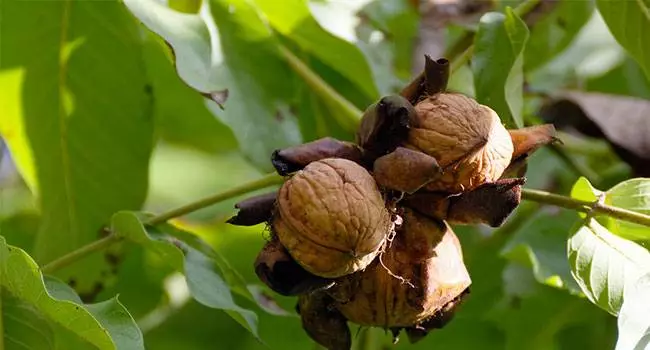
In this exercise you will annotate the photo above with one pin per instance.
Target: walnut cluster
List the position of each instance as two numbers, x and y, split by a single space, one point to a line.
360 231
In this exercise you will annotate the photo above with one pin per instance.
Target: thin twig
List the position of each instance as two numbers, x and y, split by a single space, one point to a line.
266 181
80 253
103 243
585 206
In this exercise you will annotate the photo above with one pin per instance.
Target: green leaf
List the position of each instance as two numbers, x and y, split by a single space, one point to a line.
76 115
233 278
24 327
541 244
111 314
228 47
498 64
535 320
119 323
384 31
605 265
633 322
633 194
553 33
181 114
21 278
205 284
299 26
628 21
584 191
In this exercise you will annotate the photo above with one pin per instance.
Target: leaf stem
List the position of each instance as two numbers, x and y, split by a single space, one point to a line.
351 116
80 253
265 181
585 206
103 243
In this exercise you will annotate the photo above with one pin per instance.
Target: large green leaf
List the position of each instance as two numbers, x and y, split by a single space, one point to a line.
298 25
633 321
46 305
553 33
498 64
205 284
77 117
629 22
633 194
605 265
228 47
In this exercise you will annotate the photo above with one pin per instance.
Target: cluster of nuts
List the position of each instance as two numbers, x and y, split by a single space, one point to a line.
360 231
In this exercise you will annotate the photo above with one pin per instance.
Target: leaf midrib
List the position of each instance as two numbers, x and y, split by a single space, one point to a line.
63 127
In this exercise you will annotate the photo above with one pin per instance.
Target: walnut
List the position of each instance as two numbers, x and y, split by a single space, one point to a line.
467 140
331 217
417 277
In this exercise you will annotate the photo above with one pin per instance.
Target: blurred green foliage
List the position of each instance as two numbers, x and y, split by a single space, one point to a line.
100 113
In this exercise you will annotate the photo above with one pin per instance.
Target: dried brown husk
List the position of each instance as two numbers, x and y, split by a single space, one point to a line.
332 218
420 273
280 272
324 323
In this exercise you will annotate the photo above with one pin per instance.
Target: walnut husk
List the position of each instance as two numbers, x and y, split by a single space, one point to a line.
416 277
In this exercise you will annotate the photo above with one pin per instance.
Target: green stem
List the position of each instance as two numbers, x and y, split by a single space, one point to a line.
351 115
101 244
585 206
266 181
526 7
80 253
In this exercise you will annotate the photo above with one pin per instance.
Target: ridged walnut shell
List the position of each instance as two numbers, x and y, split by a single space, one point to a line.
466 138
332 218
417 276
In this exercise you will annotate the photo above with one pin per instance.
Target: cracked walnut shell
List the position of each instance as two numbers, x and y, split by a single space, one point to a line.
331 218
466 138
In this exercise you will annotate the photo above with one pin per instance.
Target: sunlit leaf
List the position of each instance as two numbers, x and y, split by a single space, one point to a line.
633 321
628 21
77 117
633 194
299 26
583 190
605 265
205 284
498 64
